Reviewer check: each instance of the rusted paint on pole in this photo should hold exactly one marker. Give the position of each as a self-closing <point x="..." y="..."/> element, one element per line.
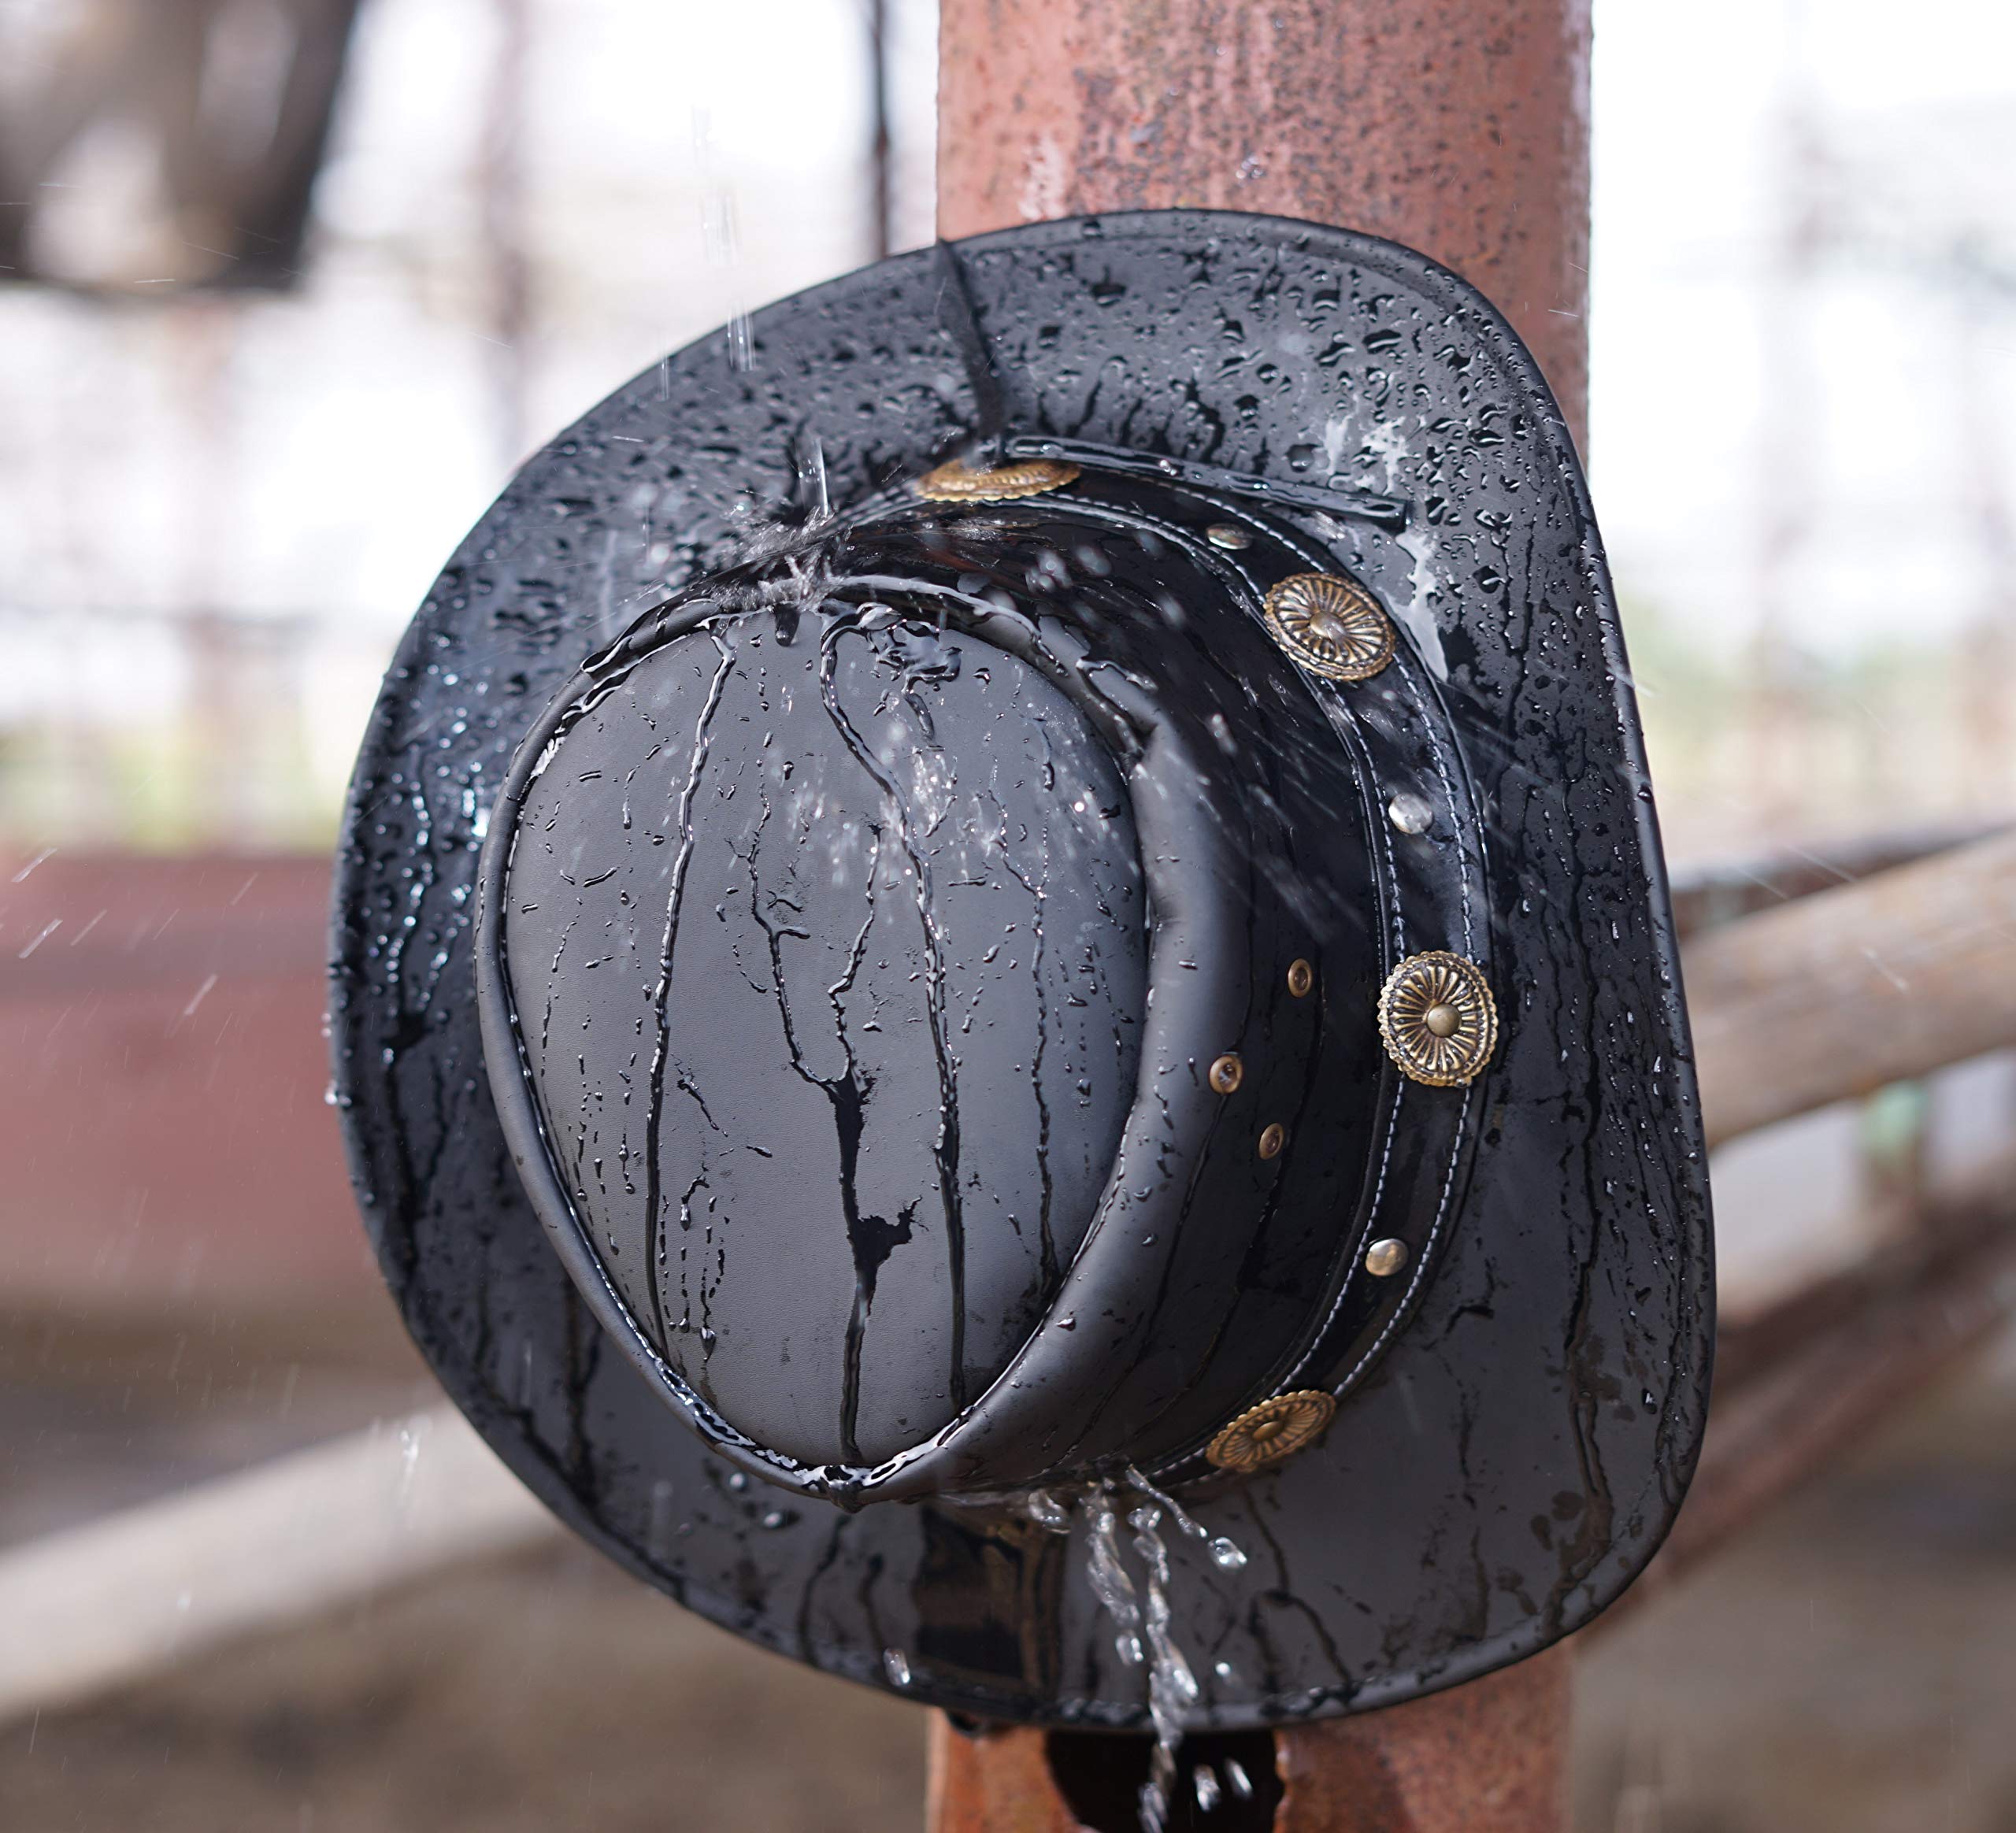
<point x="1459" y="127"/>
<point x="1489" y="1754"/>
<point x="999" y="1783"/>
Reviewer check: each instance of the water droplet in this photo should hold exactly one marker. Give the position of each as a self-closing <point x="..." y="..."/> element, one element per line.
<point x="1242" y="1784"/>
<point x="658" y="1534"/>
<point x="1205" y="1783"/>
<point x="411" y="1433"/>
<point x="896" y="1666"/>
<point x="1047" y="1512"/>
<point x="1225" y="1556"/>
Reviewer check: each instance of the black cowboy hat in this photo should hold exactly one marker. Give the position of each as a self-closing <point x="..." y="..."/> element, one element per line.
<point x="1037" y="905"/>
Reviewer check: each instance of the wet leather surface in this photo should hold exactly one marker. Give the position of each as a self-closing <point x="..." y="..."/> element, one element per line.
<point x="859" y="884"/>
<point x="1521" y="1447"/>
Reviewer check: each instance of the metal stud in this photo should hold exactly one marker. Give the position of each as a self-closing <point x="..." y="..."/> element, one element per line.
<point x="1333" y="627"/>
<point x="1273" y="1140"/>
<point x="1410" y="813"/>
<point x="1438" y="1020"/>
<point x="1385" y="1258"/>
<point x="1227" y="1073"/>
<point x="1275" y="1429"/>
<point x="1224" y="535"/>
<point x="1302" y="977"/>
<point x="958" y="483"/>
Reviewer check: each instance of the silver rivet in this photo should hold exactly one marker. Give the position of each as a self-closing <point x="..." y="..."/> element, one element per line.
<point x="1410" y="813"/>
<point x="1224" y="535"/>
<point x="1385" y="1258"/>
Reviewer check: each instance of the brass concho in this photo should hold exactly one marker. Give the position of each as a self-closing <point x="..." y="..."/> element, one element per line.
<point x="1275" y="1429"/>
<point x="1438" y="1018"/>
<point x="1331" y="626"/>
<point x="957" y="483"/>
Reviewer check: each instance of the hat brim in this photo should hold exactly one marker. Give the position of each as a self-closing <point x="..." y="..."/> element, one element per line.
<point x="1521" y="1448"/>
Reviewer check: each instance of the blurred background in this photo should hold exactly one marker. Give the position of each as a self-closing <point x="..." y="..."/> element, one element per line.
<point x="287" y="288"/>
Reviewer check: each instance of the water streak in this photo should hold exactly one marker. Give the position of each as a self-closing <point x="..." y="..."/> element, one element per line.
<point x="703" y="739"/>
<point x="721" y="233"/>
<point x="946" y="1147"/>
<point x="1111" y="1585"/>
<point x="1226" y="1554"/>
<point x="1143" y="1618"/>
<point x="1172" y="1687"/>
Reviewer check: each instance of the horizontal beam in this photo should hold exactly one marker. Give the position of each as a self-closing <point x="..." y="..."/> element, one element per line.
<point x="1841" y="993"/>
<point x="1840" y="1363"/>
<point x="136" y="1593"/>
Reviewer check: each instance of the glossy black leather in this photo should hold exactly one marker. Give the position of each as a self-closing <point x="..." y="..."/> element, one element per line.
<point x="828" y="950"/>
<point x="772" y="1090"/>
<point x="1517" y="1425"/>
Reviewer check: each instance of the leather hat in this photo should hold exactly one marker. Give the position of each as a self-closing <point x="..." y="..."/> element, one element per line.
<point x="1039" y="904"/>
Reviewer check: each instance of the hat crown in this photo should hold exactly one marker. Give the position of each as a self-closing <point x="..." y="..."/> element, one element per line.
<point x="826" y="935"/>
<point x="870" y="928"/>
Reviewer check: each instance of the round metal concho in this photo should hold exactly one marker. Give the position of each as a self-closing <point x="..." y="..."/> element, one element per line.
<point x="957" y="483"/>
<point x="1438" y="1020"/>
<point x="1331" y="626"/>
<point x="1275" y="1429"/>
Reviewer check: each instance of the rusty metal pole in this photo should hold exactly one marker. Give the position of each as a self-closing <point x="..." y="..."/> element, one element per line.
<point x="1488" y="1758"/>
<point x="1458" y="126"/>
<point x="1461" y="127"/>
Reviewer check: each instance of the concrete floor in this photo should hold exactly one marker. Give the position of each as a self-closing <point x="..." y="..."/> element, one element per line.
<point x="1849" y="1668"/>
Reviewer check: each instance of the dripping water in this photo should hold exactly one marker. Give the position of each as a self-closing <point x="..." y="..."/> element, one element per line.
<point x="721" y="231"/>
<point x="1143" y="1618"/>
<point x="1172" y="1686"/>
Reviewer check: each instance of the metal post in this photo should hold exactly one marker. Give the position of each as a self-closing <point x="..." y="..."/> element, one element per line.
<point x="880" y="205"/>
<point x="1459" y="127"/>
<point x="501" y="181"/>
